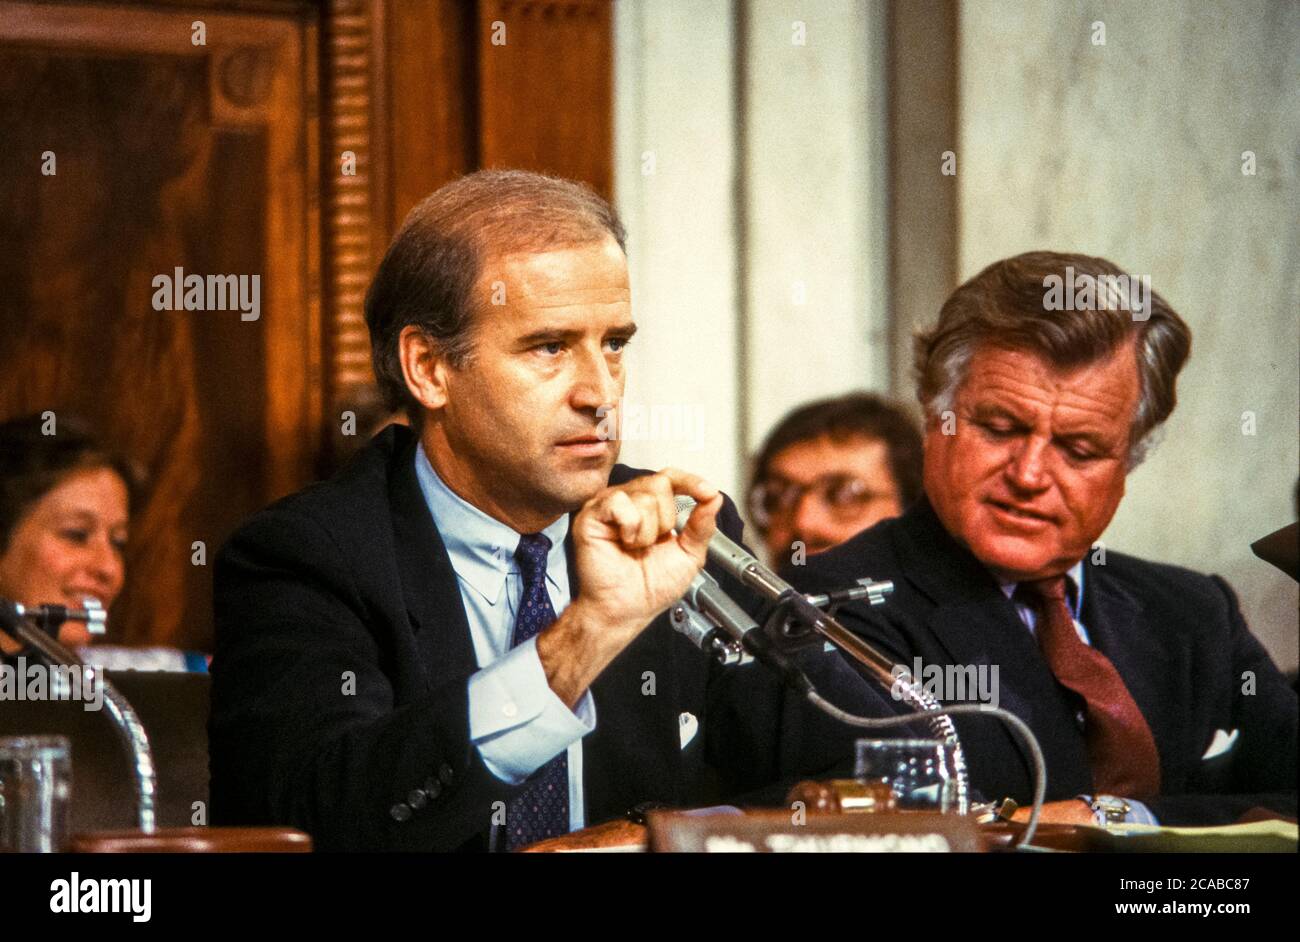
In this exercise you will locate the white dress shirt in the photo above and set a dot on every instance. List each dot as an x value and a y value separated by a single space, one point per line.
516 721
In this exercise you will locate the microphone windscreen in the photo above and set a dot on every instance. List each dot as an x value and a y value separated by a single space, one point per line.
684 507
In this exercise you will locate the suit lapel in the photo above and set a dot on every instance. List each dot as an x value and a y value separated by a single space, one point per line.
976 624
972 619
430 589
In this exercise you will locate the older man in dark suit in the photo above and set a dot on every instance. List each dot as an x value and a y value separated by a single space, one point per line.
446 646
1151 698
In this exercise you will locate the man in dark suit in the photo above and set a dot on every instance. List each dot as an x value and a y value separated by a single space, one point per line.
1149 695
446 646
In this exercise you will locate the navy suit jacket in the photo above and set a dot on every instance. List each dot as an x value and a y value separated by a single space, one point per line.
339 680
1176 637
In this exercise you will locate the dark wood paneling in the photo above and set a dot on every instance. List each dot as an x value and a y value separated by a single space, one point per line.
546 94
168 155
432 98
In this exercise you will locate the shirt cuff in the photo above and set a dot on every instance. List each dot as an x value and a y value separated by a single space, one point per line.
1139 813
516 721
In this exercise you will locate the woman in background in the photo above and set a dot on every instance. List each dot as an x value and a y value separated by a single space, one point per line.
64 508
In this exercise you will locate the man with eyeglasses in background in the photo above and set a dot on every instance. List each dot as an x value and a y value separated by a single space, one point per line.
830 469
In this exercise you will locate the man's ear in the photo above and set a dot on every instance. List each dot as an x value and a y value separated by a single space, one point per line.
423 367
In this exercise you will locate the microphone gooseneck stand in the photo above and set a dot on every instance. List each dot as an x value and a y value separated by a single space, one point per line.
794 621
38 627
794 611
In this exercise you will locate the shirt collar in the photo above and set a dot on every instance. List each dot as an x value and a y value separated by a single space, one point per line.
482 548
1075 577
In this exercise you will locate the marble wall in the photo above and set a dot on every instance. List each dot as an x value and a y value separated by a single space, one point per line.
675 186
749 168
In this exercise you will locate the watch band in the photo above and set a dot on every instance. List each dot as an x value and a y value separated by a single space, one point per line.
1109 809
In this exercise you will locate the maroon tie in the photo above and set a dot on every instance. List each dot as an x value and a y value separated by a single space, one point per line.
1121 749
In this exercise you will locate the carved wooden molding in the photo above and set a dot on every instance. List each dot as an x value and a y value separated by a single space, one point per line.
351 121
548 9
239 85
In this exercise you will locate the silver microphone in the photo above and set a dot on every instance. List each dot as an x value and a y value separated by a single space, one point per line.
707 596
746 567
743 566
49 617
737 561
704 608
712 621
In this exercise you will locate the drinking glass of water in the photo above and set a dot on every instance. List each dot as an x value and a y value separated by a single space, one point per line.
919 772
35 784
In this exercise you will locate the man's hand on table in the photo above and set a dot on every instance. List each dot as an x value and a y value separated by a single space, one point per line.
1072 811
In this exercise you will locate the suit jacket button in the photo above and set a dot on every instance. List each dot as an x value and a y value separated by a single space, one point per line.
445 773
433 788
417 799
400 811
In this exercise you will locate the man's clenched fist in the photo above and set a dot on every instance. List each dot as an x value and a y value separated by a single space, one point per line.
631 567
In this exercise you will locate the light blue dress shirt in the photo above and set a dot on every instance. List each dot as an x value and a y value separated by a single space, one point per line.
1138 812
1030 616
516 721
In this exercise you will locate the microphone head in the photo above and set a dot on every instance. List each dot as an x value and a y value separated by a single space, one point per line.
684 507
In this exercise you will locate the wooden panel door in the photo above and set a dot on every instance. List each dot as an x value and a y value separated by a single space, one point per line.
134 146
546 87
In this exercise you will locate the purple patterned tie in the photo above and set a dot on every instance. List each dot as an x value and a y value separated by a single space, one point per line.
541 810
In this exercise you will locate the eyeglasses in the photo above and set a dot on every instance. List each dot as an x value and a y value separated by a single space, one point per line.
843 495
